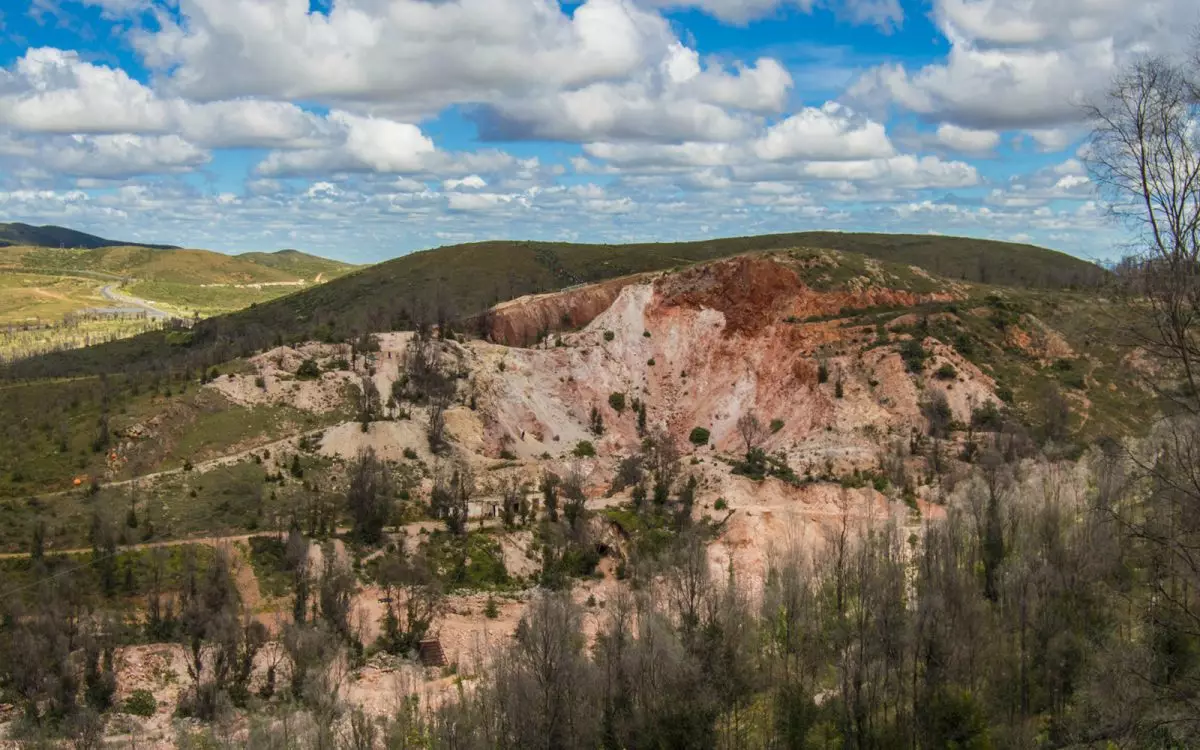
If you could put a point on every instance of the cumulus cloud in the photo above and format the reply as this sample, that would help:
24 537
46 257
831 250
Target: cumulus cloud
884 14
678 99
49 90
424 53
967 140
106 156
831 132
1026 64
362 144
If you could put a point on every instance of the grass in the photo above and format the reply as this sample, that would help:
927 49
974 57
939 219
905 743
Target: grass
463 280
1116 403
134 569
474 561
48 290
48 438
202 300
268 557
301 265
29 297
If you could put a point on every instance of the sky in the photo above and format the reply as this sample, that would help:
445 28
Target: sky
365 129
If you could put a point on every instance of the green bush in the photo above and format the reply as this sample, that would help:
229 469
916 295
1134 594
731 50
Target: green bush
617 402
308 370
410 454
699 436
584 449
141 703
914 355
947 372
720 504
475 561
776 425
491 610
609 335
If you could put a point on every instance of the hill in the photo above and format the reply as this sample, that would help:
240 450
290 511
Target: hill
61 298
693 426
174 265
456 283
300 264
16 233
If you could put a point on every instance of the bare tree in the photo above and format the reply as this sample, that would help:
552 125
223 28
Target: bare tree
450 498
752 430
370 496
1145 155
414 599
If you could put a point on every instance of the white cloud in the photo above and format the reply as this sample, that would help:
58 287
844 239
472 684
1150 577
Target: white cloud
1054 139
50 90
884 14
1026 64
106 156
967 140
426 54
472 181
829 133
363 144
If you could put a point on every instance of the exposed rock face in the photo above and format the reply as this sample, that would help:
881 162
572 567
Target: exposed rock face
521 321
706 345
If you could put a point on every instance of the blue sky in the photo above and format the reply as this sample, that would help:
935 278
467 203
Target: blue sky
363 129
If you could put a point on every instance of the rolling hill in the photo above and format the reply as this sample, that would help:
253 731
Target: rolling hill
16 233
301 264
457 283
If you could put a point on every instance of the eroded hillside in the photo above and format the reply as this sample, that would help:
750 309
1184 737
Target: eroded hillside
758 403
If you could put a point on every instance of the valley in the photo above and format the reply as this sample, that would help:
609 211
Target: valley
58 298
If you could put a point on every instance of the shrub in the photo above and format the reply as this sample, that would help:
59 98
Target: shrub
914 355
839 390
508 455
776 425
822 372
308 370
947 372
650 362
609 335
720 504
584 449
410 454
699 436
141 703
260 382
617 402
645 334
491 610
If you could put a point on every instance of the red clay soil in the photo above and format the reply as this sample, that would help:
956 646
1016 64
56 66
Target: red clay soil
755 291
750 291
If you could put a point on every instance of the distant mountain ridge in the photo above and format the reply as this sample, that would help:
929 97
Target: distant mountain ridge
49 235
455 284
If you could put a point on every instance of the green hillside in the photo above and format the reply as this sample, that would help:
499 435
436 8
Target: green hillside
299 264
49 235
143 263
457 282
